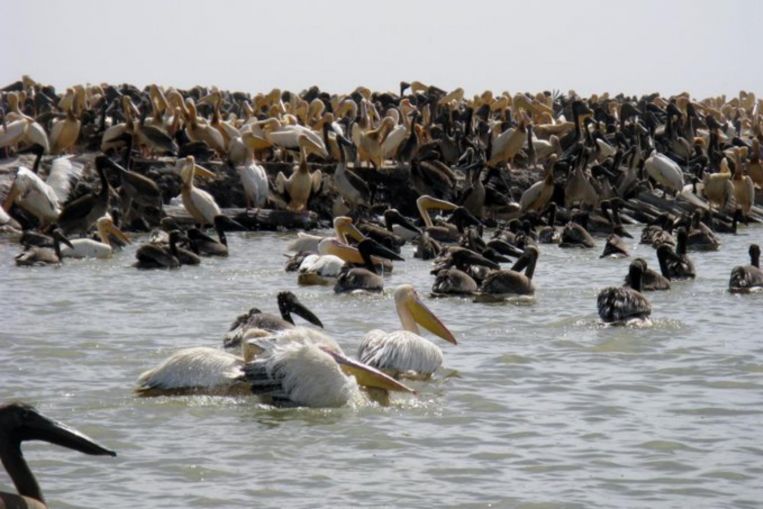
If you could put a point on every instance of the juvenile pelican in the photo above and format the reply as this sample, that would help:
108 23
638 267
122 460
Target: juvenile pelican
365 278
255 319
36 255
404 352
20 422
505 283
620 305
80 214
747 278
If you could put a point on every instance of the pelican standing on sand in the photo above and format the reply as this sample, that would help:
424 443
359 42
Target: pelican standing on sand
20 422
404 352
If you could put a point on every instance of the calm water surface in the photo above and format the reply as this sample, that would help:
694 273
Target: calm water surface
539 406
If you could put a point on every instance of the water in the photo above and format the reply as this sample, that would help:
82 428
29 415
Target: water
538 406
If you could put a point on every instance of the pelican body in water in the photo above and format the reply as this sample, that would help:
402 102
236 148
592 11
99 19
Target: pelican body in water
20 422
255 319
37 255
506 283
403 353
621 305
747 278
365 278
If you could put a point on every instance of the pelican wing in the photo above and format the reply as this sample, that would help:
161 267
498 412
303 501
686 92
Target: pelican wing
63 174
399 352
618 304
190 368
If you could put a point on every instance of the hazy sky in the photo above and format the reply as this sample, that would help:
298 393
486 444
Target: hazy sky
638 46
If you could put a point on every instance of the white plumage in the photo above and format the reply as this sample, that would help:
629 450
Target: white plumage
255 182
35 196
62 174
12 133
665 171
198 369
317 269
199 203
302 375
404 352
400 351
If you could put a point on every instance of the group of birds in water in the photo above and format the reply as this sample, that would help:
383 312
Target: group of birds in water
687 169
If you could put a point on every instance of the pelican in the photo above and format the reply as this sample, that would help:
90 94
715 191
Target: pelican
255 182
156 256
64 133
404 352
505 283
665 172
447 232
199 203
299 374
205 245
301 184
89 248
620 305
34 195
81 213
365 278
306 243
20 422
36 255
650 280
676 265
319 269
537 196
747 278
255 319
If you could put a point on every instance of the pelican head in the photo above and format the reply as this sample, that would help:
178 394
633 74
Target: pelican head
344 227
289 303
393 216
412 311
106 229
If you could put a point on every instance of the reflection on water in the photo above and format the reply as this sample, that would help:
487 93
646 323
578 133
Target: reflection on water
538 406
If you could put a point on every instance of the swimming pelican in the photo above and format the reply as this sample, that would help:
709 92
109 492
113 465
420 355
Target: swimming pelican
448 232
255 319
157 256
343 227
650 280
205 245
199 203
747 278
505 283
36 255
299 374
676 265
89 248
319 269
366 277
404 352
620 305
20 422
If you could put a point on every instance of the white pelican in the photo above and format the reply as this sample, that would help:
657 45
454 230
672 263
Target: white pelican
507 144
306 243
34 195
404 352
665 172
301 184
199 203
621 305
198 129
319 269
537 196
21 422
89 248
255 182
64 133
299 374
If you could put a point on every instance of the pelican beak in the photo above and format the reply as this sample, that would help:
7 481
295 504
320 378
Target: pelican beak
428 202
350 230
111 229
58 234
395 217
12 195
365 375
202 172
290 303
376 249
42 428
424 317
473 258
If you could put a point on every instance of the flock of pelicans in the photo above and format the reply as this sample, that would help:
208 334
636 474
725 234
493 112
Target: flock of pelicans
686 169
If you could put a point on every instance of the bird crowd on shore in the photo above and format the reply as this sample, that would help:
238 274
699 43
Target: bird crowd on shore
494 179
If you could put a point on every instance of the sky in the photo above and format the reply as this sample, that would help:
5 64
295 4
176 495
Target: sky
590 46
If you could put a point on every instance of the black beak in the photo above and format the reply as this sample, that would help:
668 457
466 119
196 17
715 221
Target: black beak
42 428
105 162
469 257
288 301
372 247
59 235
228 224
392 216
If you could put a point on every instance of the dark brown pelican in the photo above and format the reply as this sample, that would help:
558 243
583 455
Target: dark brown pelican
44 255
158 256
79 215
746 278
255 319
506 283
366 277
206 245
676 265
651 280
20 422
621 305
